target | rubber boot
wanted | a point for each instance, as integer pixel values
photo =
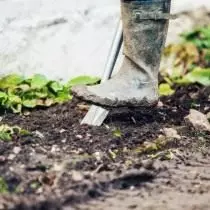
(145, 26)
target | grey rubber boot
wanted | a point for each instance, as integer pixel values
(145, 26)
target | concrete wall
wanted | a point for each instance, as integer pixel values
(61, 38)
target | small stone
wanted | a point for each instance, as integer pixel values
(16, 150)
(171, 133)
(88, 135)
(79, 136)
(148, 164)
(77, 176)
(98, 156)
(62, 131)
(2, 159)
(11, 157)
(38, 134)
(198, 120)
(132, 188)
(160, 104)
(83, 107)
(55, 149)
(63, 141)
(23, 166)
(58, 167)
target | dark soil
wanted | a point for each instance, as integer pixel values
(128, 163)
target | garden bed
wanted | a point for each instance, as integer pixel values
(128, 163)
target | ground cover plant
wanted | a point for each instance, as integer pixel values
(17, 92)
(139, 159)
(189, 61)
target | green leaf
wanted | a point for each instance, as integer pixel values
(3, 95)
(16, 108)
(4, 136)
(83, 80)
(3, 186)
(30, 103)
(24, 132)
(38, 81)
(63, 97)
(43, 93)
(199, 75)
(10, 81)
(165, 89)
(56, 86)
(23, 87)
(117, 133)
(14, 99)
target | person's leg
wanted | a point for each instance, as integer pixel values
(145, 26)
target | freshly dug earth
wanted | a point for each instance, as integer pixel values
(128, 163)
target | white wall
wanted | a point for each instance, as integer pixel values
(30, 42)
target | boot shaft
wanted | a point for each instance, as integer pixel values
(145, 26)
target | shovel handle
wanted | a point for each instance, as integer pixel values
(113, 53)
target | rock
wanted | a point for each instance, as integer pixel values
(38, 134)
(98, 156)
(148, 164)
(64, 141)
(62, 131)
(11, 157)
(55, 149)
(16, 150)
(171, 133)
(160, 104)
(2, 160)
(198, 120)
(77, 176)
(79, 136)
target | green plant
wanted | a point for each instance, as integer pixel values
(189, 61)
(165, 89)
(18, 93)
(117, 133)
(6, 132)
(3, 186)
(83, 80)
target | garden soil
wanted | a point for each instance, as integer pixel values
(128, 163)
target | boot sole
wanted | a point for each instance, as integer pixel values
(83, 94)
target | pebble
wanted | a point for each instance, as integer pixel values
(38, 134)
(11, 157)
(62, 131)
(79, 136)
(98, 156)
(2, 159)
(16, 150)
(197, 120)
(171, 133)
(55, 149)
(64, 141)
(77, 176)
